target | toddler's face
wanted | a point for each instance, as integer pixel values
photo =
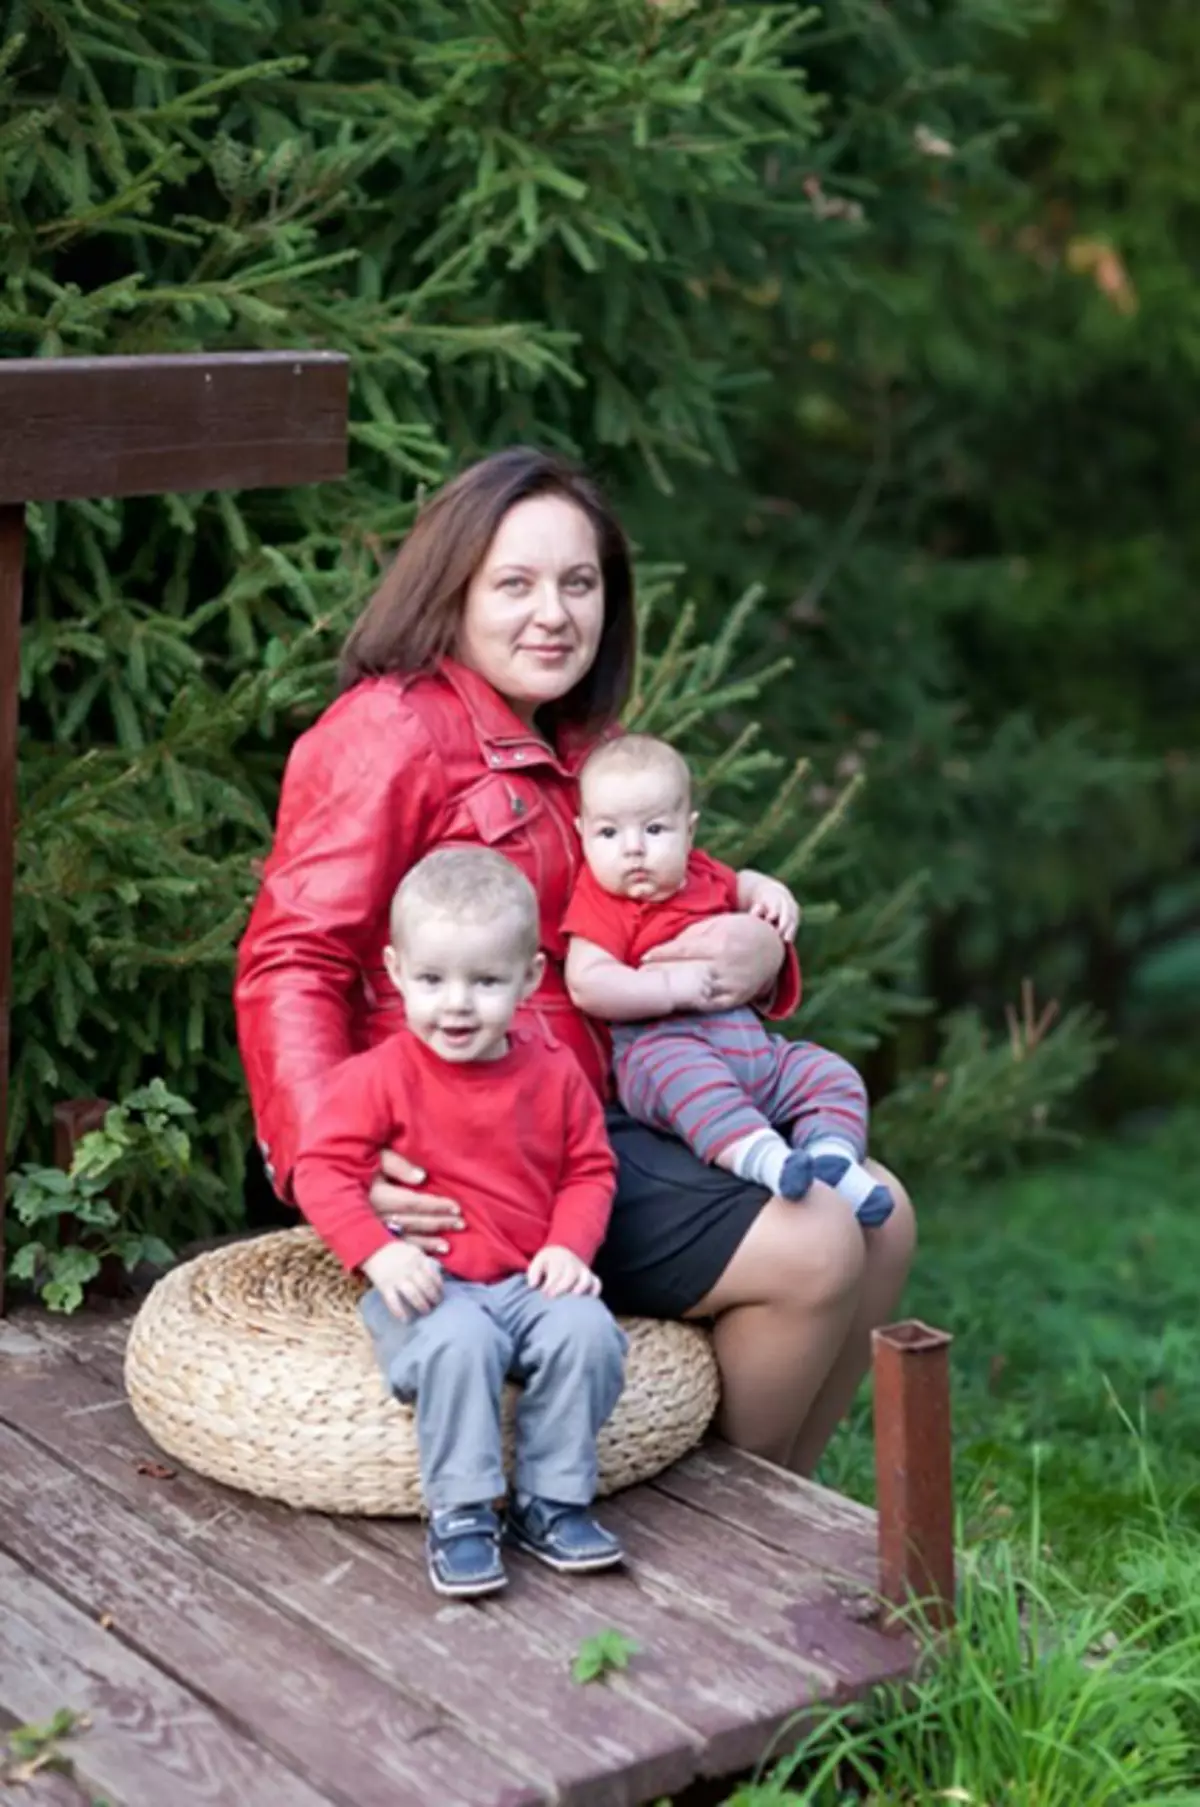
(637, 833)
(461, 983)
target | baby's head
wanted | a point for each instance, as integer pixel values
(636, 819)
(464, 950)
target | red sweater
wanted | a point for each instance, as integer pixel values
(518, 1142)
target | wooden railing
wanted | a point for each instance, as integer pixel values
(142, 426)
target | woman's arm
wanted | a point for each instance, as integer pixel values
(604, 987)
(362, 799)
(753, 964)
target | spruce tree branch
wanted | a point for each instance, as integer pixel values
(857, 517)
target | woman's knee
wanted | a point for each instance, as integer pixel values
(819, 1254)
(896, 1239)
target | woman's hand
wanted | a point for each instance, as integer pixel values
(424, 1218)
(745, 952)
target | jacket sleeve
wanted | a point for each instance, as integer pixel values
(362, 800)
(588, 1176)
(339, 1154)
(784, 999)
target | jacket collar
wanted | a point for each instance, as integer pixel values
(504, 739)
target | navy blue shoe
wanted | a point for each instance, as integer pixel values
(566, 1538)
(462, 1551)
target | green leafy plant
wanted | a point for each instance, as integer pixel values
(33, 1748)
(121, 1179)
(607, 1651)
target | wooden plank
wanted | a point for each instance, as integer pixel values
(150, 1741)
(812, 1524)
(356, 1738)
(730, 1685)
(588, 1745)
(48, 1787)
(714, 1647)
(97, 1333)
(141, 426)
(12, 566)
(794, 1607)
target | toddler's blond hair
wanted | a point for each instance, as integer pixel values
(470, 885)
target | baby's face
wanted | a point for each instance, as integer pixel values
(461, 982)
(636, 830)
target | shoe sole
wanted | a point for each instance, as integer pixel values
(586, 1566)
(466, 1590)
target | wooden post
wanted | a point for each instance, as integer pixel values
(913, 1480)
(12, 565)
(142, 426)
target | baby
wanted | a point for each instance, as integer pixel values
(505, 1122)
(776, 1112)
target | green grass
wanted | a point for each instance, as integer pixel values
(1045, 1697)
(1072, 1293)
(1073, 1679)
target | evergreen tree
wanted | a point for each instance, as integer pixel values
(665, 235)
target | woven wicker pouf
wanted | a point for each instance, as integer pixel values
(250, 1364)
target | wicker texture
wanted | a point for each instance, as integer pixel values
(250, 1364)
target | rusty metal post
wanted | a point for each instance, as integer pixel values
(913, 1470)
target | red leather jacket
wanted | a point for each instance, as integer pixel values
(396, 767)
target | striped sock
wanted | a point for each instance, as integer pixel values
(765, 1158)
(835, 1163)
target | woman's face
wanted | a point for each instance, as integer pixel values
(535, 607)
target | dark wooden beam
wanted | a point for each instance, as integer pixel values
(75, 427)
(142, 426)
(12, 548)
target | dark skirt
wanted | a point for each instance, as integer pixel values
(676, 1222)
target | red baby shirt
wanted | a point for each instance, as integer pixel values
(518, 1142)
(628, 928)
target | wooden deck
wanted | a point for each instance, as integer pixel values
(226, 1650)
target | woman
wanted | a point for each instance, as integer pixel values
(495, 652)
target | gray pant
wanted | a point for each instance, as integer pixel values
(569, 1355)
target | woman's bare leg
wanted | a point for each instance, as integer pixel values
(889, 1253)
(784, 1308)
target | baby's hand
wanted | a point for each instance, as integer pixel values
(557, 1272)
(691, 984)
(771, 902)
(407, 1280)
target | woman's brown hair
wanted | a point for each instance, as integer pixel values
(412, 620)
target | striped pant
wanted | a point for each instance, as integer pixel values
(711, 1080)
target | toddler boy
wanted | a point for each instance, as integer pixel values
(715, 1078)
(505, 1122)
